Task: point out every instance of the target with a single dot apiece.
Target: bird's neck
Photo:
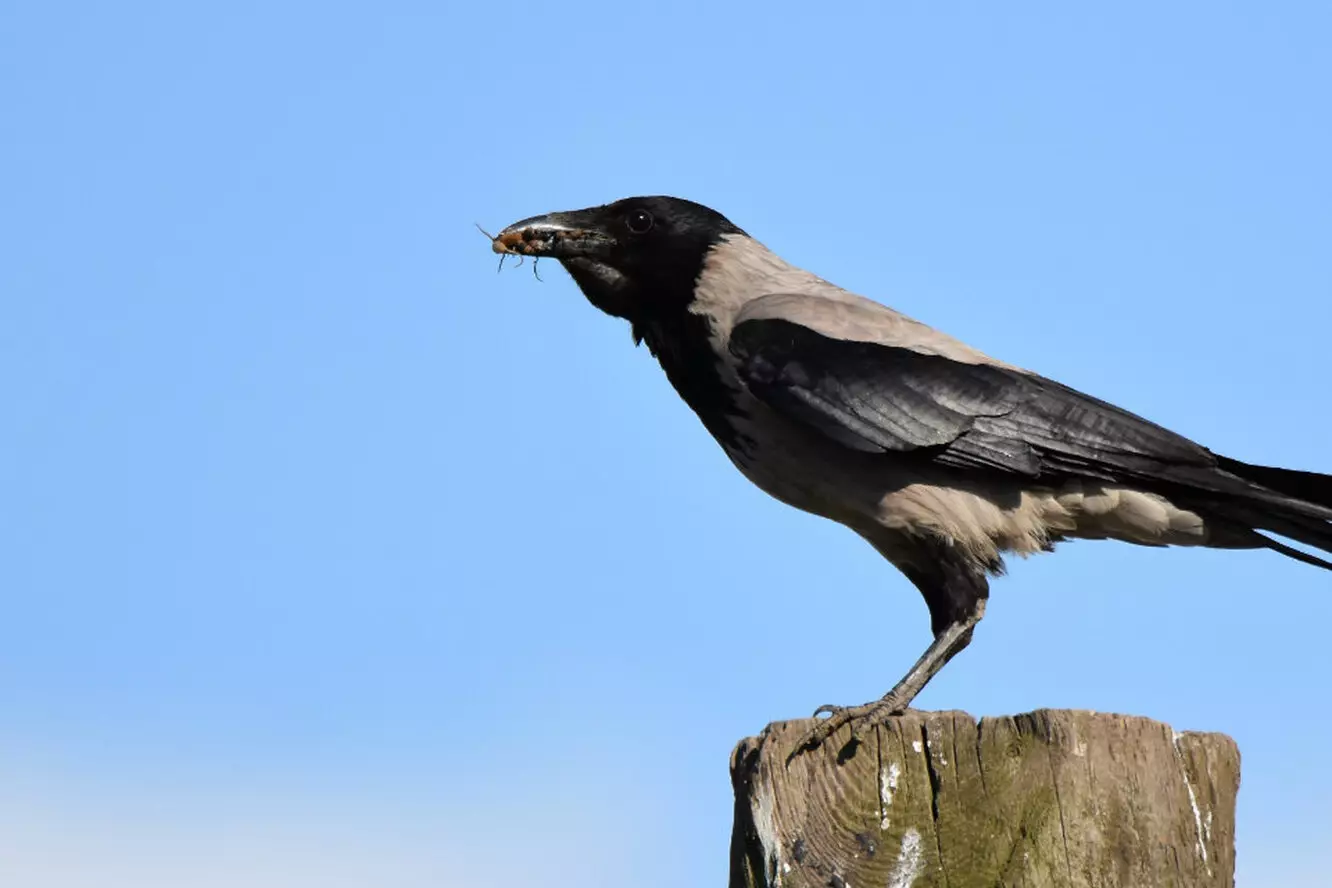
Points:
(689, 338)
(684, 344)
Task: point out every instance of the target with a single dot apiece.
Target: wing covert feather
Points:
(882, 398)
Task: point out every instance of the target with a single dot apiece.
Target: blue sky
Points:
(332, 557)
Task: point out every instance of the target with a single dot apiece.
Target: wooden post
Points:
(1051, 798)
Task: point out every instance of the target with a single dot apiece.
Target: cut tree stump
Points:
(1050, 798)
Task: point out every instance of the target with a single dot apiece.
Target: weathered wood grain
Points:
(1062, 798)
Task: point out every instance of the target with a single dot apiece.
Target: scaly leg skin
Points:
(946, 645)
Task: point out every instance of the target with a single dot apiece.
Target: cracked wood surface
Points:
(1050, 798)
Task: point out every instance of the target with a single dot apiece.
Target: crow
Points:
(943, 458)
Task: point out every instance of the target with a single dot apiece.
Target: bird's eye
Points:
(639, 221)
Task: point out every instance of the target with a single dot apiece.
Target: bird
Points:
(943, 458)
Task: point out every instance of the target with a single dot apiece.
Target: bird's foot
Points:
(862, 719)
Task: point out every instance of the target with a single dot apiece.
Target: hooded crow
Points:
(943, 458)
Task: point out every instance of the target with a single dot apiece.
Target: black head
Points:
(636, 258)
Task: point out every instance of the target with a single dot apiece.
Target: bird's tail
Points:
(1297, 505)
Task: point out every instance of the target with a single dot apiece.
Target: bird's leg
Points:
(947, 643)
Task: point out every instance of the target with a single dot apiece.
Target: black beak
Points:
(573, 235)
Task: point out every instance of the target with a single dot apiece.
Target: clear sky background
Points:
(330, 557)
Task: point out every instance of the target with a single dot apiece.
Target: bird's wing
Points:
(880, 398)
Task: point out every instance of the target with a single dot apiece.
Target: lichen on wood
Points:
(1049, 798)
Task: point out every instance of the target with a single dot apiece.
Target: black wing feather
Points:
(881, 398)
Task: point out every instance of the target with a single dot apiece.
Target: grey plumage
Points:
(940, 456)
